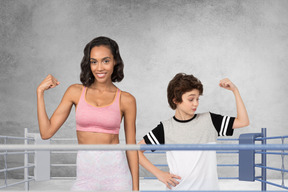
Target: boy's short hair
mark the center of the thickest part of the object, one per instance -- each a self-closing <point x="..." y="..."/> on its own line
<point x="180" y="84"/>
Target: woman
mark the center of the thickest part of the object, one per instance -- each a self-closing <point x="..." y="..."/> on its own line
<point x="100" y="107"/>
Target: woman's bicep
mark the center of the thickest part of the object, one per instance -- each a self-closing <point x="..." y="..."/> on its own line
<point x="129" y="111"/>
<point x="60" y="114"/>
<point x="63" y="110"/>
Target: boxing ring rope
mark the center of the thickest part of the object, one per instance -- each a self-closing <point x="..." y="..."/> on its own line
<point x="264" y="166"/>
<point x="246" y="148"/>
<point x="167" y="147"/>
<point x="26" y="166"/>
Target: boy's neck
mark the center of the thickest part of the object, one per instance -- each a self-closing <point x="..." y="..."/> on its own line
<point x="183" y="116"/>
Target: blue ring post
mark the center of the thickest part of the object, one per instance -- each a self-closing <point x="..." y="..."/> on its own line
<point x="264" y="162"/>
<point x="247" y="157"/>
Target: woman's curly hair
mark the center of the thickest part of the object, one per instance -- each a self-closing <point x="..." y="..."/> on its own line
<point x="86" y="76"/>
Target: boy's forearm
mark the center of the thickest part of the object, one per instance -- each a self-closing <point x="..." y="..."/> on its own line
<point x="144" y="162"/>
<point x="242" y="118"/>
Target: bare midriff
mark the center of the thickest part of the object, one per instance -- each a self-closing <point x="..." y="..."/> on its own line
<point x="97" y="138"/>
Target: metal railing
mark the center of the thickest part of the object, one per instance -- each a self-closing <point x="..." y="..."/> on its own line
<point x="4" y="153"/>
<point x="246" y="151"/>
<point x="263" y="166"/>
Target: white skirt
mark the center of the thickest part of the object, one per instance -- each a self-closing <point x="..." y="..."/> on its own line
<point x="102" y="171"/>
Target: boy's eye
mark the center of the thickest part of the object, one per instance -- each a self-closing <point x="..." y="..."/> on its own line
<point x="194" y="99"/>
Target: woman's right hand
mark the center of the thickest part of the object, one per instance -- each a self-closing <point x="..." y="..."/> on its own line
<point x="168" y="179"/>
<point x="47" y="83"/>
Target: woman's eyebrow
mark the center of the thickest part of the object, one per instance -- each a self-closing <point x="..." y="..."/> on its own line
<point x="106" y="58"/>
<point x="101" y="59"/>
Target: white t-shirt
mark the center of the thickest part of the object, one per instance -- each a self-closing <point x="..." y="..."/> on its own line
<point x="197" y="169"/>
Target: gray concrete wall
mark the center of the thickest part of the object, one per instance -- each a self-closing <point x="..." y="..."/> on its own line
<point x="246" y="41"/>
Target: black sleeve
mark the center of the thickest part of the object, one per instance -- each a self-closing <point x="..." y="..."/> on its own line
<point x="156" y="136"/>
<point x="223" y="124"/>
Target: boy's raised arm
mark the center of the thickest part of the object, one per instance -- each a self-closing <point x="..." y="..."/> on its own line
<point x="242" y="119"/>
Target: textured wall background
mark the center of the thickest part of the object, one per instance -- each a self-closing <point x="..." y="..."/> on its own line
<point x="246" y="41"/>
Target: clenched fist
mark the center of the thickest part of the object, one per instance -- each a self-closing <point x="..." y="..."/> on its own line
<point x="47" y="83"/>
<point x="227" y="84"/>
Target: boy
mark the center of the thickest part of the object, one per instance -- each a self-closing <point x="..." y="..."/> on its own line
<point x="191" y="170"/>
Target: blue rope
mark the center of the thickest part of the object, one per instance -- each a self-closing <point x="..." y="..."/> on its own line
<point x="271" y="168"/>
<point x="270" y="183"/>
<point x="205" y="147"/>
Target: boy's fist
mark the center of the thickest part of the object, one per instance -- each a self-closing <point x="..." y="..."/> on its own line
<point x="227" y="84"/>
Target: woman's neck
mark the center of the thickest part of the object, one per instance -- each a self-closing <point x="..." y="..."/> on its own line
<point x="102" y="87"/>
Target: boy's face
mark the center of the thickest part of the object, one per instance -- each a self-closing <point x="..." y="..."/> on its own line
<point x="189" y="104"/>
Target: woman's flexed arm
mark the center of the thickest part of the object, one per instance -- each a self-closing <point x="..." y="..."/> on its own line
<point x="48" y="127"/>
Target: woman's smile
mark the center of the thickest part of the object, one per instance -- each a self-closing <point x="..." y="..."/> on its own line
<point x="101" y="75"/>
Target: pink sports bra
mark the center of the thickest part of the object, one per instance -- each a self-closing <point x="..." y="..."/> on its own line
<point x="106" y="119"/>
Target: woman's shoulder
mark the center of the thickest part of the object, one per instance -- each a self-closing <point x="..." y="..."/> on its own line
<point x="127" y="97"/>
<point x="74" y="91"/>
<point x="75" y="88"/>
